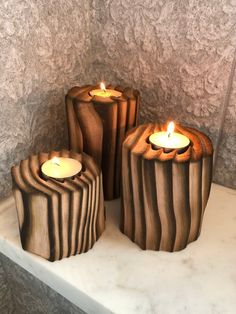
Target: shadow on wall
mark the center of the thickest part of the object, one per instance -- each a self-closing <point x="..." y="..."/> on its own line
<point x="38" y="126"/>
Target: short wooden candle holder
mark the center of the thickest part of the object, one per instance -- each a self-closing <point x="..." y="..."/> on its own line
<point x="164" y="193"/>
<point x="58" y="219"/>
<point x="98" y="125"/>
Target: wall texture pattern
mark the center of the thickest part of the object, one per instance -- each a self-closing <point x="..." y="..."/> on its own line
<point x="225" y="170"/>
<point x="6" y="302"/>
<point x="180" y="54"/>
<point x="45" y="48"/>
<point x="34" y="297"/>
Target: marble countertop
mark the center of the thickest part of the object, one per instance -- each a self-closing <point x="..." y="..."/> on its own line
<point x="118" y="277"/>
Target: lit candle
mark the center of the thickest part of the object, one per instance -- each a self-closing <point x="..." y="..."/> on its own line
<point x="61" y="167"/>
<point x="106" y="93"/>
<point x="170" y="139"/>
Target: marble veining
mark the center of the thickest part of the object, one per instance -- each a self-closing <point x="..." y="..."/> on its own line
<point x="116" y="276"/>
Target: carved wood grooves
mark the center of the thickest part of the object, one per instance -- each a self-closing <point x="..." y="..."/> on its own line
<point x="164" y="195"/>
<point x="98" y="126"/>
<point x="58" y="219"/>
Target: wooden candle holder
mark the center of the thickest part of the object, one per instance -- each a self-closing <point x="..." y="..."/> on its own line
<point x="98" y="126"/>
<point x="58" y="219"/>
<point x="164" y="194"/>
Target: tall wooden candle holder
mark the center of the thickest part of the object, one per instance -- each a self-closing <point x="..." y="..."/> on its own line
<point x="164" y="193"/>
<point x="98" y="125"/>
<point x="58" y="219"/>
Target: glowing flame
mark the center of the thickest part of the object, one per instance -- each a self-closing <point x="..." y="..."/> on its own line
<point x="103" y="86"/>
<point x="56" y="161"/>
<point x="170" y="128"/>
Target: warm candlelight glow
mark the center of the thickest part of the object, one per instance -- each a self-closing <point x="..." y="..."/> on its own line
<point x="61" y="167"/>
<point x="56" y="161"/>
<point x="103" y="87"/>
<point x="169" y="139"/>
<point x="170" y="128"/>
<point x="105" y="93"/>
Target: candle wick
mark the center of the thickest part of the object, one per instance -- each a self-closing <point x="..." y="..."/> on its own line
<point x="56" y="163"/>
<point x="169" y="134"/>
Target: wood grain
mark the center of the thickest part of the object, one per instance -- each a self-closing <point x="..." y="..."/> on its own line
<point x="164" y="194"/>
<point x="58" y="219"/>
<point x="98" y="126"/>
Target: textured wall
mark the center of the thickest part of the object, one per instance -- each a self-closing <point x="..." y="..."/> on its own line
<point x="45" y="49"/>
<point x="226" y="158"/>
<point x="6" y="302"/>
<point x="180" y="55"/>
<point x="34" y="297"/>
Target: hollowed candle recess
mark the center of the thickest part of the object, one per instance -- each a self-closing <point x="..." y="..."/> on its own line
<point x="169" y="139"/>
<point x="165" y="186"/>
<point x="61" y="168"/>
<point x="98" y="120"/>
<point x="103" y="92"/>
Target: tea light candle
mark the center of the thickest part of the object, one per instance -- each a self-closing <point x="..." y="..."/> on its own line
<point x="170" y="139"/>
<point x="61" y="167"/>
<point x="106" y="93"/>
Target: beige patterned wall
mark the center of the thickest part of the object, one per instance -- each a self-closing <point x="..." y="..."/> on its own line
<point x="6" y="302"/>
<point x="226" y="158"/>
<point x="180" y="54"/>
<point x="45" y="49"/>
<point x="22" y="293"/>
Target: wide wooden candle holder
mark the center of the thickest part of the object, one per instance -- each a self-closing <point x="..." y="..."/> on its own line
<point x="164" y="194"/>
<point x="58" y="219"/>
<point x="98" y="125"/>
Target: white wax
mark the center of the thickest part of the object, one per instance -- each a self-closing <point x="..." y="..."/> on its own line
<point x="174" y="141"/>
<point x="105" y="93"/>
<point x="61" y="167"/>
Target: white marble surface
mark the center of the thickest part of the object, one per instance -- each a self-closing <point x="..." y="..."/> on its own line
<point x="116" y="276"/>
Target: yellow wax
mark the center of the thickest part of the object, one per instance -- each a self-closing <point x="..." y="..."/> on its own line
<point x="174" y="141"/>
<point x="61" y="167"/>
<point x="105" y="93"/>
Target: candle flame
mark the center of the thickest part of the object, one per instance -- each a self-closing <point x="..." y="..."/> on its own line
<point x="56" y="161"/>
<point x="103" y="86"/>
<point x="170" y="128"/>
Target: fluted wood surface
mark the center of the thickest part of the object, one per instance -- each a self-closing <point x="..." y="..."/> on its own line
<point x="164" y="194"/>
<point x="58" y="219"/>
<point x="98" y="125"/>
